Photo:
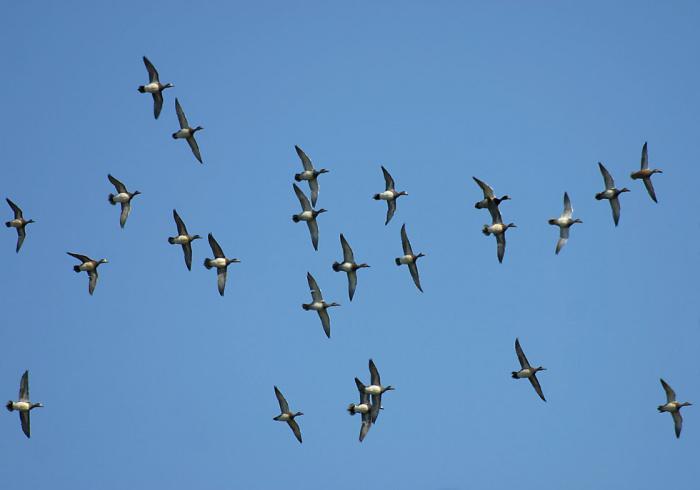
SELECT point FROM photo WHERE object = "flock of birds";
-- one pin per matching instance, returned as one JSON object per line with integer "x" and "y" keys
{"x": 370, "y": 402}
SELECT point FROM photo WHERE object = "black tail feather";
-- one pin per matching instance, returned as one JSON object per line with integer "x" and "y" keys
{"x": 295, "y": 218}
{"x": 171, "y": 240}
{"x": 376, "y": 197}
{"x": 398, "y": 261}
{"x": 8, "y": 224}
{"x": 110, "y": 198}
{"x": 76, "y": 268}
{"x": 141, "y": 89}
{"x": 514, "y": 374}
{"x": 8, "y": 405}
{"x": 207, "y": 264}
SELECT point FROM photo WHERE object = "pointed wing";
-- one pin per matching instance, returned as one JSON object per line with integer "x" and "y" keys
{"x": 536, "y": 386}
{"x": 366, "y": 424}
{"x": 152, "y": 72}
{"x": 495, "y": 213}
{"x": 126, "y": 209}
{"x": 560, "y": 244}
{"x": 24, "y": 420}
{"x": 407, "y": 250}
{"x": 375, "y": 407}
{"x": 677, "y": 422}
{"x": 645, "y": 157}
{"x": 609, "y": 182}
{"x": 390, "y": 210}
{"x": 221, "y": 279}
{"x": 157, "y": 103}
{"x": 521, "y": 355}
{"x": 21, "y": 235}
{"x": 501, "y": 246}
{"x": 181, "y": 228}
{"x": 303, "y": 200}
{"x": 325, "y": 321}
{"x": 650, "y": 188}
{"x": 313, "y": 185}
{"x": 82, "y": 258}
{"x": 187, "y": 251}
{"x": 313, "y": 230}
{"x": 347, "y": 250}
{"x": 485, "y": 188}
{"x": 568, "y": 210}
{"x": 15, "y": 209}
{"x": 670, "y": 394}
{"x": 92, "y": 275}
{"x": 388, "y": 180}
{"x": 374, "y": 374}
{"x": 215, "y": 248}
{"x": 181, "y": 115}
{"x": 352, "y": 283}
{"x": 364, "y": 397}
{"x": 284, "y": 406}
{"x": 305, "y": 161}
{"x": 117, "y": 184}
{"x": 295, "y": 428}
{"x": 413, "y": 268}
{"x": 195, "y": 148}
{"x": 313, "y": 287}
{"x": 24, "y": 387}
{"x": 615, "y": 206}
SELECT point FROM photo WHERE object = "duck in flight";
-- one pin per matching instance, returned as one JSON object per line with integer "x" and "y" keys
{"x": 673, "y": 407}
{"x": 18, "y": 223}
{"x": 220, "y": 261}
{"x": 186, "y": 132}
{"x": 390, "y": 195}
{"x": 287, "y": 415}
{"x": 23, "y": 405}
{"x": 564, "y": 222}
{"x": 498, "y": 229}
{"x": 122, "y": 197}
{"x": 309, "y": 174}
{"x": 490, "y": 201}
{"x": 409, "y": 258}
{"x": 307, "y": 214}
{"x": 645, "y": 173}
{"x": 611, "y": 193}
{"x": 154, "y": 87}
{"x": 348, "y": 265}
{"x": 90, "y": 266}
{"x": 527, "y": 371}
{"x": 318, "y": 304}
{"x": 375, "y": 389}
{"x": 183, "y": 238}
{"x": 364, "y": 408}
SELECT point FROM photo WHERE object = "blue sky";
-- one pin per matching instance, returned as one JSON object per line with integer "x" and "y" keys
{"x": 158, "y": 381}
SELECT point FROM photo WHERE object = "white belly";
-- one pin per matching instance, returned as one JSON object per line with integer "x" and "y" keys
{"x": 284, "y": 417}
{"x": 121, "y": 197}
{"x": 362, "y": 408}
{"x": 406, "y": 259}
{"x": 609, "y": 194}
{"x": 346, "y": 267}
{"x": 306, "y": 216}
{"x": 306, "y": 175}
{"x": 386, "y": 195}
{"x": 316, "y": 306}
{"x": 219, "y": 263}
{"x": 151, "y": 88}
{"x": 87, "y": 266}
{"x": 373, "y": 389}
{"x": 21, "y": 406}
{"x": 524, "y": 373}
{"x": 183, "y": 133}
{"x": 15, "y": 223}
{"x": 496, "y": 229}
{"x": 182, "y": 240}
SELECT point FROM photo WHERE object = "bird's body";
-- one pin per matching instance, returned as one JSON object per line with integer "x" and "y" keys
{"x": 123, "y": 197}
{"x": 308, "y": 214}
{"x": 673, "y": 407}
{"x": 187, "y": 132}
{"x": 527, "y": 371}
{"x": 18, "y": 223}
{"x": 390, "y": 195}
{"x": 24, "y": 405}
{"x": 318, "y": 304}
{"x": 564, "y": 222}
{"x": 611, "y": 193}
{"x": 309, "y": 174}
{"x": 286, "y": 415}
{"x": 645, "y": 173}
{"x": 498, "y": 229}
{"x": 349, "y": 266}
{"x": 490, "y": 201}
{"x": 154, "y": 87}
{"x": 220, "y": 262}
{"x": 90, "y": 266}
{"x": 409, "y": 258}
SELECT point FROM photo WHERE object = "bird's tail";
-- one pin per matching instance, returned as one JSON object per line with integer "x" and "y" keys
{"x": 8, "y": 224}
{"x": 306, "y": 307}
{"x": 397, "y": 260}
{"x": 660, "y": 408}
{"x": 110, "y": 198}
{"x": 174, "y": 135}
{"x": 376, "y": 197}
{"x": 141, "y": 89}
{"x": 171, "y": 240}
{"x": 552, "y": 222}
{"x": 485, "y": 230}
{"x": 599, "y": 196}
{"x": 76, "y": 268}
{"x": 336, "y": 266}
{"x": 207, "y": 264}
{"x": 514, "y": 374}
{"x": 351, "y": 408}
{"x": 295, "y": 218}
{"x": 297, "y": 177}
{"x": 8, "y": 405}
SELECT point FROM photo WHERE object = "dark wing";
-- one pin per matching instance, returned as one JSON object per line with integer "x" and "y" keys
{"x": 413, "y": 268}
{"x": 82, "y": 258}
{"x": 375, "y": 407}
{"x": 390, "y": 210}
{"x": 284, "y": 407}
{"x": 615, "y": 206}
{"x": 215, "y": 248}
{"x": 364, "y": 397}
{"x": 568, "y": 210}
{"x": 187, "y": 250}
{"x": 126, "y": 209}
{"x": 295, "y": 428}
{"x": 609, "y": 182}
{"x": 24, "y": 419}
{"x": 388, "y": 180}
{"x": 181, "y": 229}
{"x": 501, "y": 246}
{"x": 303, "y": 200}
{"x": 313, "y": 185}
{"x": 313, "y": 287}
{"x": 305, "y": 161}
{"x": 677, "y": 422}
{"x": 670, "y": 394}
{"x": 21, "y": 235}
{"x": 24, "y": 387}
{"x": 15, "y": 209}
{"x": 407, "y": 250}
{"x": 536, "y": 386}
{"x": 521, "y": 355}
{"x": 485, "y": 188}
{"x": 93, "y": 281}
{"x": 157, "y": 103}
{"x": 325, "y": 321}
{"x": 313, "y": 230}
{"x": 181, "y": 115}
{"x": 645, "y": 157}
{"x": 195, "y": 148}
{"x": 221, "y": 279}
{"x": 374, "y": 374}
{"x": 117, "y": 184}
{"x": 352, "y": 283}
{"x": 650, "y": 188}
{"x": 366, "y": 424}
{"x": 347, "y": 251}
{"x": 152, "y": 72}
{"x": 561, "y": 242}
{"x": 495, "y": 213}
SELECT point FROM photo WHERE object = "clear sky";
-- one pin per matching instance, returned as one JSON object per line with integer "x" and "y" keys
{"x": 158, "y": 382}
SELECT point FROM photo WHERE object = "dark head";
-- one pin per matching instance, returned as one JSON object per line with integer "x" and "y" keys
{"x": 514, "y": 374}
{"x": 135, "y": 193}
{"x": 196, "y": 237}
{"x": 540, "y": 369}
{"x": 624, "y": 189}
{"x": 316, "y": 213}
{"x": 102, "y": 261}
{"x": 419, "y": 256}
{"x": 297, "y": 414}
{"x": 174, "y": 135}
{"x": 362, "y": 266}
{"x": 657, "y": 171}
{"x": 336, "y": 266}
{"x": 141, "y": 89}
{"x": 402, "y": 193}
{"x": 388, "y": 388}
{"x": 167, "y": 85}
{"x": 504, "y": 198}
{"x": 232, "y": 261}
{"x": 323, "y": 171}
{"x": 8, "y": 405}
{"x": 685, "y": 404}
{"x": 30, "y": 221}
{"x": 332, "y": 304}
{"x": 198, "y": 128}
{"x": 511, "y": 225}
{"x": 577, "y": 221}
{"x": 36, "y": 405}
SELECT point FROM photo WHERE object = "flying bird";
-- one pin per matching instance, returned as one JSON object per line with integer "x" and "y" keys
{"x": 645, "y": 173}
{"x": 409, "y": 258}
{"x": 220, "y": 261}
{"x": 19, "y": 223}
{"x": 390, "y": 195}
{"x": 375, "y": 389}
{"x": 309, "y": 174}
{"x": 611, "y": 193}
{"x": 183, "y": 238}
{"x": 527, "y": 371}
{"x": 186, "y": 132}
{"x": 348, "y": 265}
{"x": 318, "y": 304}
{"x": 122, "y": 197}
{"x": 307, "y": 214}
{"x": 673, "y": 407}
{"x": 498, "y": 229}
{"x": 23, "y": 405}
{"x": 154, "y": 87}
{"x": 364, "y": 408}
{"x": 88, "y": 265}
{"x": 286, "y": 415}
{"x": 564, "y": 222}
{"x": 490, "y": 201}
